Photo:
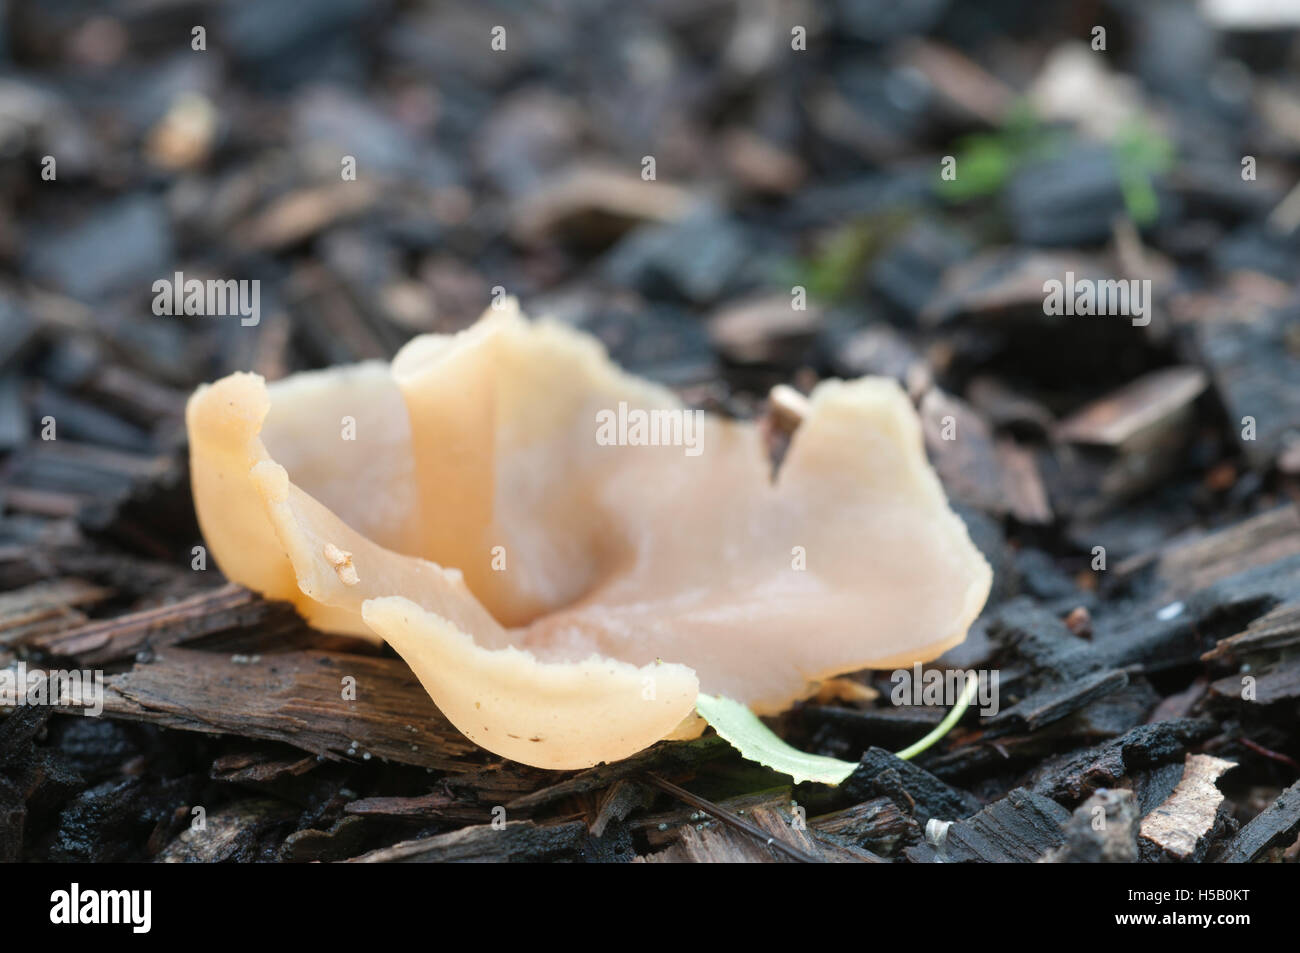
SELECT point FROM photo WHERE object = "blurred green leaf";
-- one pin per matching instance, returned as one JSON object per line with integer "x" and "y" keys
{"x": 986, "y": 160}
{"x": 1141, "y": 154}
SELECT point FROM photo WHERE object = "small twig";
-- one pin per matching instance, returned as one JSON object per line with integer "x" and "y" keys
{"x": 1259, "y": 749}
{"x": 739, "y": 823}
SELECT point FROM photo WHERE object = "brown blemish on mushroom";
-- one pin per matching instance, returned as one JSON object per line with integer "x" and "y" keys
{"x": 619, "y": 556}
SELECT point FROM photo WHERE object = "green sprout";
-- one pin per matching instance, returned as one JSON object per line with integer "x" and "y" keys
{"x": 1141, "y": 153}
{"x": 842, "y": 255}
{"x": 945, "y": 726}
{"x": 987, "y": 160}
{"x": 734, "y": 722}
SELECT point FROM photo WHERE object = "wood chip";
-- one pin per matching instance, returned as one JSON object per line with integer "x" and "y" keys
{"x": 230, "y": 833}
{"x": 1138, "y": 415}
{"x": 595, "y": 206}
{"x": 666, "y": 757}
{"x": 962, "y": 81}
{"x": 1187, "y": 565}
{"x": 1022, "y": 484}
{"x": 519, "y": 841}
{"x": 1275, "y": 630}
{"x": 435, "y": 806}
{"x": 297, "y": 698}
{"x": 44, "y": 601}
{"x": 710, "y": 841}
{"x": 299, "y": 215}
{"x": 761, "y": 329}
{"x": 961, "y": 445}
{"x": 1022, "y": 827}
{"x": 878, "y": 825}
{"x": 1177, "y": 826}
{"x": 1276, "y": 826}
{"x": 110, "y": 640}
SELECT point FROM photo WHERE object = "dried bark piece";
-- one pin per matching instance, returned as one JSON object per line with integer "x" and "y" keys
{"x": 716, "y": 843}
{"x": 1185, "y": 566}
{"x": 294, "y": 698}
{"x": 234, "y": 832}
{"x": 515, "y": 842}
{"x": 912, "y": 788}
{"x": 1139, "y": 415}
{"x": 109, "y": 640}
{"x": 1177, "y": 826}
{"x": 1020, "y": 828}
{"x": 594, "y": 206}
{"x": 1078, "y": 774}
{"x": 564, "y": 599}
{"x": 1277, "y": 629}
{"x": 878, "y": 825}
{"x": 44, "y": 601}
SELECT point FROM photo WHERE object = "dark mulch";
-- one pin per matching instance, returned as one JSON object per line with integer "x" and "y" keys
{"x": 1133, "y": 484}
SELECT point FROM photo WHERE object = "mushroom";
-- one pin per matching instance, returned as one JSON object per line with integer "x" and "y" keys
{"x": 562, "y": 596}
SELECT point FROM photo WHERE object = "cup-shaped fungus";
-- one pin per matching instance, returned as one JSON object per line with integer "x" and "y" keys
{"x": 563, "y": 553}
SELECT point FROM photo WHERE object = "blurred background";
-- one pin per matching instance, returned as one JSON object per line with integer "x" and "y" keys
{"x": 670, "y": 176}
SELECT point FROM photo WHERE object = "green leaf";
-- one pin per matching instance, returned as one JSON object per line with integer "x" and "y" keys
{"x": 744, "y": 731}
{"x": 1141, "y": 154}
{"x": 742, "y": 728}
{"x": 985, "y": 163}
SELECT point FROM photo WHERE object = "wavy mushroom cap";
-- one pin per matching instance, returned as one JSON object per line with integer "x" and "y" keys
{"x": 563, "y": 596}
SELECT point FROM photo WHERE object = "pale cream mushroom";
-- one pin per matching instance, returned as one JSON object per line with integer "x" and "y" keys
{"x": 564, "y": 599}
